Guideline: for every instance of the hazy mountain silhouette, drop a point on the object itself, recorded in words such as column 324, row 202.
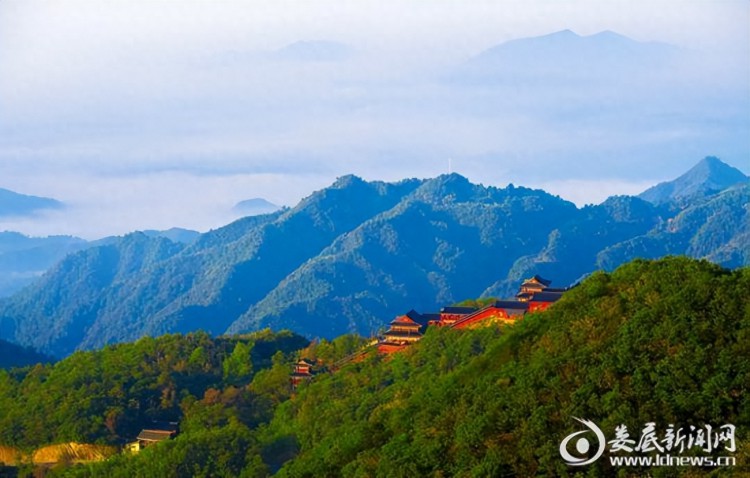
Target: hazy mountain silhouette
column 254, row 206
column 175, row 234
column 15, row 204
column 565, row 57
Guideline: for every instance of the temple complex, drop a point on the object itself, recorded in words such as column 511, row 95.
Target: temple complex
column 535, row 294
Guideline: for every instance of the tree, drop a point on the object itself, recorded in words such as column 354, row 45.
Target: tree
column 238, row 367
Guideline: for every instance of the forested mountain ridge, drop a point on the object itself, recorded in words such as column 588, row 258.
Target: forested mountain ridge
column 351, row 256
column 23, row 259
column 716, row 228
column 204, row 285
column 709, row 176
column 628, row 347
column 663, row 341
column 412, row 256
column 107, row 396
column 12, row 355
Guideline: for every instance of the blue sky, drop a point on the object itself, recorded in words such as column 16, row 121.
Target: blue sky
column 153, row 114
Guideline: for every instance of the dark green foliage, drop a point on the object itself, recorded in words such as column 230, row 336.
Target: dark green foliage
column 663, row 341
column 476, row 303
column 230, row 452
column 238, row 367
column 107, row 396
column 329, row 352
column 218, row 424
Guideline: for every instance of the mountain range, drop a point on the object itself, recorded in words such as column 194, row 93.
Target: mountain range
column 707, row 177
column 351, row 256
column 565, row 56
column 23, row 259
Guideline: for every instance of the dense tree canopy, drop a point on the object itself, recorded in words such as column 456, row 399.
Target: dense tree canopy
column 107, row 396
column 663, row 341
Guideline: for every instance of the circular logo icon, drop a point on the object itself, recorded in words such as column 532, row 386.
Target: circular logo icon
column 582, row 444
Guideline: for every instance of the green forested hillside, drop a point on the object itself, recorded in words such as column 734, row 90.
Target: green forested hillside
column 666, row 341
column 107, row 396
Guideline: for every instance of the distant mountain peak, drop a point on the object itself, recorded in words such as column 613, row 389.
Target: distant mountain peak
column 453, row 178
column 566, row 54
column 609, row 34
column 175, row 234
column 715, row 173
column 710, row 175
column 255, row 206
column 713, row 166
column 346, row 181
column 556, row 39
column 562, row 33
column 451, row 186
column 568, row 37
column 448, row 180
column 15, row 204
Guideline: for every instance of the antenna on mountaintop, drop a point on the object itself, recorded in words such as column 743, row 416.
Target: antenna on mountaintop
column 450, row 166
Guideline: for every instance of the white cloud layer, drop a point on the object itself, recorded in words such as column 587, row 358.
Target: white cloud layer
column 125, row 109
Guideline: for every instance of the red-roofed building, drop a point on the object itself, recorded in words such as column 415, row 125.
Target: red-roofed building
column 302, row 372
column 534, row 295
column 533, row 285
column 403, row 330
